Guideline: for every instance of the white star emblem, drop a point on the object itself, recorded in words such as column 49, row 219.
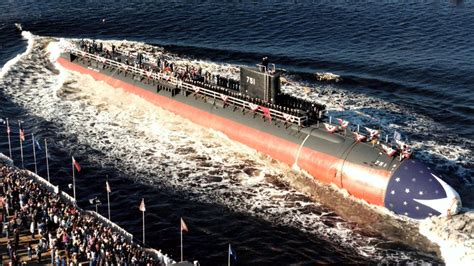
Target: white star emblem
column 417, row 208
column 436, row 191
column 431, row 179
column 392, row 192
column 405, row 203
column 421, row 193
column 406, row 213
column 407, row 190
column 421, row 172
column 413, row 179
column 397, row 179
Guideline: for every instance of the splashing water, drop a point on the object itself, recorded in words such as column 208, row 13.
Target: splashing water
column 134, row 135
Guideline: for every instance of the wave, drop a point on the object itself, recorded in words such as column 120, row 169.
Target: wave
column 8, row 65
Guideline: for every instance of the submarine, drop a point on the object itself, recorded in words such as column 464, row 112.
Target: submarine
column 255, row 112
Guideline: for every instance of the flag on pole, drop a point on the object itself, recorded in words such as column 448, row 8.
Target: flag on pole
column 107, row 186
column 232, row 253
column 8, row 130
column 38, row 145
column 142, row 205
column 22, row 134
column 397, row 135
column 184, row 227
column 76, row 164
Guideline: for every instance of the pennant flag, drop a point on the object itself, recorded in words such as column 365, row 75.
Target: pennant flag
column 76, row 164
column 253, row 107
column 373, row 132
column 343, row 123
column 107, row 187
column 330, row 128
column 142, row 205
column 359, row 137
column 184, row 227
column 232, row 252
column 224, row 97
column 266, row 112
column 22, row 134
column 390, row 152
column 38, row 145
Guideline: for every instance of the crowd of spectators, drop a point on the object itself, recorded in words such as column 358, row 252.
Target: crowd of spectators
column 60, row 230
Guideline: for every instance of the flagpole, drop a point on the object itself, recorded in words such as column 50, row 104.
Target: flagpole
column 34, row 152
column 46, row 151
column 73, row 180
column 228, row 256
column 9, row 141
column 108, row 199
column 181, row 229
column 143, row 216
column 21, row 146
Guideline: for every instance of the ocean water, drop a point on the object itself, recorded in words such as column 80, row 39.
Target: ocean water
column 402, row 65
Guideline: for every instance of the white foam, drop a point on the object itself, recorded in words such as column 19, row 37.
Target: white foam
column 28, row 36
column 454, row 235
column 134, row 135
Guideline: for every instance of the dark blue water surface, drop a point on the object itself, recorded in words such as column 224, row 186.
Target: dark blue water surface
column 418, row 54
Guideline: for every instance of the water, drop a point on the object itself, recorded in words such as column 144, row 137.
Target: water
column 404, row 66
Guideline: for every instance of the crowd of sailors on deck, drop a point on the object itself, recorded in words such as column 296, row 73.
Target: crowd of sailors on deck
column 200, row 77
column 59, row 229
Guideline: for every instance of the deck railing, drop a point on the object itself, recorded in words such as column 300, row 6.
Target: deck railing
column 299, row 120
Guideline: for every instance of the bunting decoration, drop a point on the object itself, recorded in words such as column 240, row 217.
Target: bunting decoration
column 388, row 150
column 343, row 123
column 359, row 137
column 373, row 133
column 266, row 112
column 289, row 118
column 224, row 97
column 330, row 128
column 253, row 107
